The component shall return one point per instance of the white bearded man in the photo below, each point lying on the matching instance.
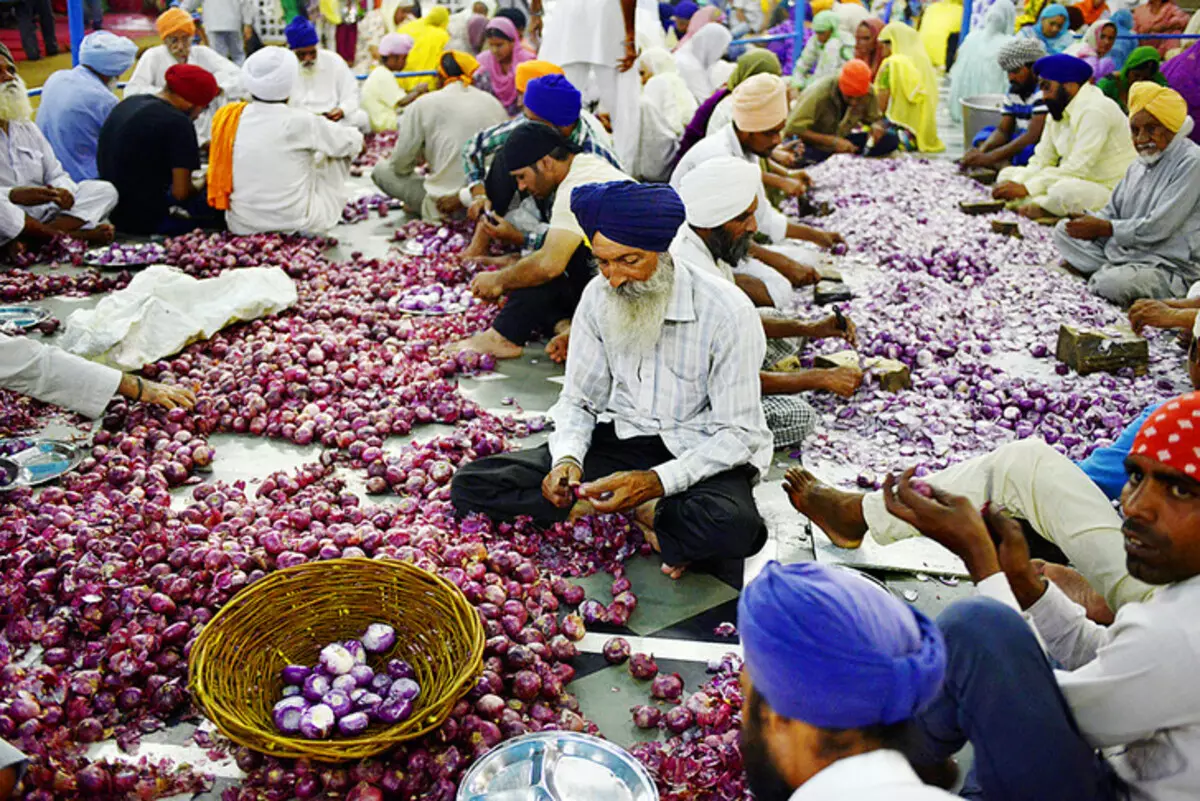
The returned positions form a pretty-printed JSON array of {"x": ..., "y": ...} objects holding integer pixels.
[
  {"x": 671, "y": 356},
  {"x": 325, "y": 85},
  {"x": 1145, "y": 243},
  {"x": 32, "y": 177}
]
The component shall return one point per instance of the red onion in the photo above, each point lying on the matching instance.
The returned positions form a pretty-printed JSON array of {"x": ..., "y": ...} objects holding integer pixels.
[
  {"x": 667, "y": 686},
  {"x": 646, "y": 717},
  {"x": 616, "y": 650},
  {"x": 642, "y": 666}
]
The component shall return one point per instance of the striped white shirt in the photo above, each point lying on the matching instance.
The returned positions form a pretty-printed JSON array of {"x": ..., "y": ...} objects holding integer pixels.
[{"x": 698, "y": 388}]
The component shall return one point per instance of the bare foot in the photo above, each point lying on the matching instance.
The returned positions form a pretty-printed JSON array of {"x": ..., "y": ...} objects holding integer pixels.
[
  {"x": 839, "y": 514},
  {"x": 12, "y": 251},
  {"x": 488, "y": 341},
  {"x": 102, "y": 234},
  {"x": 556, "y": 348},
  {"x": 1077, "y": 588},
  {"x": 674, "y": 572}
]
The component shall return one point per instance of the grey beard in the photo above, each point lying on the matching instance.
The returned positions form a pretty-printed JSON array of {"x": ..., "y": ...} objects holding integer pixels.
[
  {"x": 1150, "y": 159},
  {"x": 725, "y": 248},
  {"x": 14, "y": 102},
  {"x": 634, "y": 312}
]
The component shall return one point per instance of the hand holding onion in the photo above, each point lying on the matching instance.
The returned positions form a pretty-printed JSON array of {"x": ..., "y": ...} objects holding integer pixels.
[
  {"x": 559, "y": 485},
  {"x": 169, "y": 397},
  {"x": 487, "y": 286},
  {"x": 1009, "y": 190},
  {"x": 1157, "y": 314},
  {"x": 622, "y": 491}
]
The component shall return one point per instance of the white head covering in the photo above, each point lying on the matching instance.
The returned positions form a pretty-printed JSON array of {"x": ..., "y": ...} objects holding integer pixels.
[
  {"x": 270, "y": 73},
  {"x": 666, "y": 87},
  {"x": 106, "y": 53},
  {"x": 718, "y": 190},
  {"x": 709, "y": 44}
]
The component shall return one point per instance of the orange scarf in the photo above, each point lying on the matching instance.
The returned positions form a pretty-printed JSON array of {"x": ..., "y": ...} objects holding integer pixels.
[{"x": 220, "y": 154}]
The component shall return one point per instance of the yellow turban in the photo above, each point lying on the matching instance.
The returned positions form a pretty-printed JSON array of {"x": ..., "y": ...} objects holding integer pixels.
[
  {"x": 760, "y": 103},
  {"x": 1165, "y": 105},
  {"x": 438, "y": 17},
  {"x": 174, "y": 21},
  {"x": 528, "y": 70},
  {"x": 463, "y": 63},
  {"x": 818, "y": 6}
]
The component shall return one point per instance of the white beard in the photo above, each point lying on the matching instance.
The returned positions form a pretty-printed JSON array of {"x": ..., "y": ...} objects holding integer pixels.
[
  {"x": 634, "y": 313},
  {"x": 14, "y": 102},
  {"x": 1150, "y": 159}
]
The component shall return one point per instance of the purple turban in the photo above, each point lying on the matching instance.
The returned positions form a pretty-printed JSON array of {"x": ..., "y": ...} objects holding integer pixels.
[
  {"x": 300, "y": 33},
  {"x": 554, "y": 99},
  {"x": 828, "y": 647},
  {"x": 642, "y": 216},
  {"x": 1063, "y": 69}
]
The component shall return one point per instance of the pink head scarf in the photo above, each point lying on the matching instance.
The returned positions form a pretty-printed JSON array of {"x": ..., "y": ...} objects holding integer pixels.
[
  {"x": 701, "y": 18},
  {"x": 504, "y": 84}
]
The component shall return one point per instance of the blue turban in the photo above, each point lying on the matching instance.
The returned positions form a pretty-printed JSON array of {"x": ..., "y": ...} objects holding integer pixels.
[
  {"x": 107, "y": 53},
  {"x": 642, "y": 216},
  {"x": 666, "y": 12},
  {"x": 301, "y": 33},
  {"x": 826, "y": 646},
  {"x": 554, "y": 99},
  {"x": 685, "y": 10},
  {"x": 1063, "y": 68}
]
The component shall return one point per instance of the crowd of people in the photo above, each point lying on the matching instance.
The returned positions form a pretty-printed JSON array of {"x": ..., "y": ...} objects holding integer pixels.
[{"x": 625, "y": 167}]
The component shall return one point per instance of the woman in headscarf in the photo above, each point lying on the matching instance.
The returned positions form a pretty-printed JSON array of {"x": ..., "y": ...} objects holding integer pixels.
[
  {"x": 907, "y": 87},
  {"x": 431, "y": 37},
  {"x": 1160, "y": 16},
  {"x": 1121, "y": 48},
  {"x": 473, "y": 16},
  {"x": 1091, "y": 10},
  {"x": 696, "y": 58},
  {"x": 1051, "y": 28},
  {"x": 824, "y": 53},
  {"x": 1183, "y": 75},
  {"x": 699, "y": 21},
  {"x": 866, "y": 43},
  {"x": 667, "y": 106},
  {"x": 976, "y": 70},
  {"x": 850, "y": 15},
  {"x": 938, "y": 22},
  {"x": 1095, "y": 48},
  {"x": 499, "y": 62},
  {"x": 1142, "y": 65},
  {"x": 752, "y": 62}
]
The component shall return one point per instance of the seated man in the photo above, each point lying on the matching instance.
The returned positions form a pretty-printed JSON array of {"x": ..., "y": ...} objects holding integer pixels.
[
  {"x": 325, "y": 85},
  {"x": 832, "y": 113},
  {"x": 550, "y": 99},
  {"x": 671, "y": 355},
  {"x": 720, "y": 198},
  {"x": 75, "y": 103},
  {"x": 1084, "y": 150},
  {"x": 148, "y": 150},
  {"x": 836, "y": 670},
  {"x": 1145, "y": 243},
  {"x": 32, "y": 177},
  {"x": 382, "y": 97},
  {"x": 1015, "y": 138},
  {"x": 1036, "y": 724},
  {"x": 544, "y": 287},
  {"x": 434, "y": 130},
  {"x": 280, "y": 168},
  {"x": 176, "y": 28},
  {"x": 760, "y": 111}
]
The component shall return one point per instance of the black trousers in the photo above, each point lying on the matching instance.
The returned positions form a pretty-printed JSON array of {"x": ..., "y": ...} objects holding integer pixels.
[
  {"x": 885, "y": 146},
  {"x": 26, "y": 11},
  {"x": 538, "y": 308},
  {"x": 715, "y": 519}
]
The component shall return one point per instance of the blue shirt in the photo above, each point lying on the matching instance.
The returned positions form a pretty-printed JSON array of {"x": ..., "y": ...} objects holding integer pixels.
[
  {"x": 75, "y": 104},
  {"x": 1024, "y": 107},
  {"x": 1106, "y": 466}
]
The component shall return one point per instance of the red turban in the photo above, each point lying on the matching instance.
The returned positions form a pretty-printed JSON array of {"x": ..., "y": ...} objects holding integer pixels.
[
  {"x": 194, "y": 84},
  {"x": 1172, "y": 435},
  {"x": 855, "y": 78}
]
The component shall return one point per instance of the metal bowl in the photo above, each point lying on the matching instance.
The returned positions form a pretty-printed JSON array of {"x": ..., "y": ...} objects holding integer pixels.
[
  {"x": 30, "y": 462},
  {"x": 22, "y": 316},
  {"x": 558, "y": 766}
]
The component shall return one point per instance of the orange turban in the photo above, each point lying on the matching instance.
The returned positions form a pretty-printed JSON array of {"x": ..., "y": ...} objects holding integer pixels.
[
  {"x": 855, "y": 78},
  {"x": 455, "y": 65},
  {"x": 528, "y": 70},
  {"x": 175, "y": 21}
]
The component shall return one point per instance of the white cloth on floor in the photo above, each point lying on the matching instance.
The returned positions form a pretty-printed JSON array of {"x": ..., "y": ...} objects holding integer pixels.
[
  {"x": 290, "y": 170},
  {"x": 150, "y": 77},
  {"x": 27, "y": 159},
  {"x": 330, "y": 84},
  {"x": 52, "y": 375}
]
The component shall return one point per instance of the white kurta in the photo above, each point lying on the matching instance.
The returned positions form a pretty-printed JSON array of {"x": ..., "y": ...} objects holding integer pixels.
[
  {"x": 150, "y": 77},
  {"x": 873, "y": 776},
  {"x": 290, "y": 170},
  {"x": 27, "y": 159},
  {"x": 52, "y": 375},
  {"x": 12, "y": 221},
  {"x": 328, "y": 85}
]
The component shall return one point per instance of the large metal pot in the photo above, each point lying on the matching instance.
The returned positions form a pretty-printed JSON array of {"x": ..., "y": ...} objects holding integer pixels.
[{"x": 979, "y": 112}]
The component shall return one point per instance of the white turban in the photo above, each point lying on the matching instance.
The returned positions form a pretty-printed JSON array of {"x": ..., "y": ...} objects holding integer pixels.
[
  {"x": 107, "y": 53},
  {"x": 719, "y": 190},
  {"x": 270, "y": 73}
]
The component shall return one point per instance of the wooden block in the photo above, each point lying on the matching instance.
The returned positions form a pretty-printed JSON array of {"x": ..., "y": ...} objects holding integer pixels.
[
  {"x": 982, "y": 207},
  {"x": 831, "y": 292},
  {"x": 828, "y": 272},
  {"x": 843, "y": 358},
  {"x": 984, "y": 176},
  {"x": 1086, "y": 350},
  {"x": 1006, "y": 228},
  {"x": 893, "y": 375}
]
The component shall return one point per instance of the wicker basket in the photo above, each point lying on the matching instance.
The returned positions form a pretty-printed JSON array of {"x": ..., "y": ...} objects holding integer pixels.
[{"x": 287, "y": 617}]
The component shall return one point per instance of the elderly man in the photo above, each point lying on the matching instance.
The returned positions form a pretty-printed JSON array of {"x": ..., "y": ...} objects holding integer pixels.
[
  {"x": 275, "y": 167},
  {"x": 544, "y": 287},
  {"x": 325, "y": 85},
  {"x": 759, "y": 114},
  {"x": 719, "y": 196},
  {"x": 1036, "y": 725},
  {"x": 32, "y": 177},
  {"x": 1083, "y": 152},
  {"x": 832, "y": 113},
  {"x": 75, "y": 103},
  {"x": 1024, "y": 112},
  {"x": 1145, "y": 242},
  {"x": 836, "y": 671},
  {"x": 550, "y": 99},
  {"x": 671, "y": 356},
  {"x": 434, "y": 131},
  {"x": 148, "y": 150}
]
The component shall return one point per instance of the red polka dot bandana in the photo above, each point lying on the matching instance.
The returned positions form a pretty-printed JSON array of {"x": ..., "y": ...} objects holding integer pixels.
[{"x": 1172, "y": 435}]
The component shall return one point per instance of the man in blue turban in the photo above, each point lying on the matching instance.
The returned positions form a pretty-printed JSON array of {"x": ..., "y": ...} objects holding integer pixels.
[
  {"x": 326, "y": 85},
  {"x": 76, "y": 102},
  {"x": 553, "y": 100},
  {"x": 669, "y": 355},
  {"x": 682, "y": 14}
]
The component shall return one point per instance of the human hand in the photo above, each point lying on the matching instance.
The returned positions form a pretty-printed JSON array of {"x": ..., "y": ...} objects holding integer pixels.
[
  {"x": 622, "y": 491},
  {"x": 33, "y": 195},
  {"x": 1009, "y": 190},
  {"x": 793, "y": 187},
  {"x": 478, "y": 206},
  {"x": 1012, "y": 550},
  {"x": 627, "y": 61},
  {"x": 798, "y": 274},
  {"x": 499, "y": 228},
  {"x": 789, "y": 154},
  {"x": 335, "y": 116},
  {"x": 1156, "y": 314},
  {"x": 65, "y": 199},
  {"x": 535, "y": 26},
  {"x": 487, "y": 286},
  {"x": 841, "y": 145},
  {"x": 247, "y": 32},
  {"x": 827, "y": 239},
  {"x": 842, "y": 381},
  {"x": 448, "y": 204},
  {"x": 1089, "y": 227},
  {"x": 557, "y": 348},
  {"x": 879, "y": 130},
  {"x": 169, "y": 397},
  {"x": 559, "y": 485},
  {"x": 831, "y": 328}
]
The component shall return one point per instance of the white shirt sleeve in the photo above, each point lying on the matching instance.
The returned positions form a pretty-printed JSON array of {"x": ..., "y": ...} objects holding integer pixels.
[
  {"x": 12, "y": 220},
  {"x": 334, "y": 140},
  {"x": 52, "y": 375},
  {"x": 53, "y": 173},
  {"x": 347, "y": 89},
  {"x": 142, "y": 80}
]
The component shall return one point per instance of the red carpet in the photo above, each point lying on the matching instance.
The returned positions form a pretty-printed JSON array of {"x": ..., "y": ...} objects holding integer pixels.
[{"x": 135, "y": 26}]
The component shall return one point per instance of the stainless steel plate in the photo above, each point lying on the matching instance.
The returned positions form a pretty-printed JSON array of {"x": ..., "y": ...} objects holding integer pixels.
[
  {"x": 558, "y": 766},
  {"x": 30, "y": 462},
  {"x": 22, "y": 316},
  {"x": 143, "y": 256}
]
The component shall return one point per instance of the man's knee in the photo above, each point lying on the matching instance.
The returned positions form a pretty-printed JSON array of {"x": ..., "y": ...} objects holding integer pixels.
[
  {"x": 465, "y": 484},
  {"x": 982, "y": 625}
]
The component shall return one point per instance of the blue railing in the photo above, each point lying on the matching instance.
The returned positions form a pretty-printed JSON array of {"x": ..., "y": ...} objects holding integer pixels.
[{"x": 422, "y": 74}]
